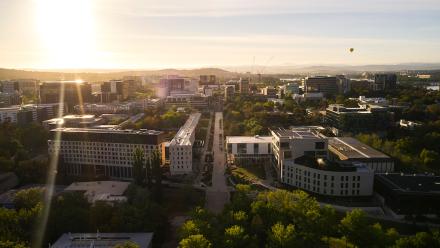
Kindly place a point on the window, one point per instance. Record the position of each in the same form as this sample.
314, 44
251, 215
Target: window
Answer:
284, 144
256, 148
319, 145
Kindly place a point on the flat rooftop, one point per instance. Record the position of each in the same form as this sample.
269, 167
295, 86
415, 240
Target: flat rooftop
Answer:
104, 240
351, 148
411, 182
248, 139
327, 165
295, 134
183, 136
101, 190
106, 131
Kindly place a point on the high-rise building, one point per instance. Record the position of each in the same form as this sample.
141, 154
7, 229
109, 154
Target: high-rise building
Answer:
9, 87
384, 82
243, 86
229, 92
74, 92
323, 84
269, 91
97, 153
343, 84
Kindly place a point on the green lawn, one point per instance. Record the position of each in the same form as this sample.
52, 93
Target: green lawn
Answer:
249, 173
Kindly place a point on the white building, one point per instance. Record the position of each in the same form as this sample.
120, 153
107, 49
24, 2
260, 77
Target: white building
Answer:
291, 144
248, 149
24, 114
321, 177
180, 147
95, 153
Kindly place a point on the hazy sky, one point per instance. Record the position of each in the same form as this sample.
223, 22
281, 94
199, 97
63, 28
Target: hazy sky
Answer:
196, 33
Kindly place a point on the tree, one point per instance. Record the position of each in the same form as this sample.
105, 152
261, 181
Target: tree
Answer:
157, 175
420, 240
236, 237
138, 167
429, 158
195, 241
28, 198
189, 228
281, 236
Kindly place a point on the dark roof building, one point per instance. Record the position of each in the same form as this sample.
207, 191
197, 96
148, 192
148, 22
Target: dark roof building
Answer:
410, 193
347, 149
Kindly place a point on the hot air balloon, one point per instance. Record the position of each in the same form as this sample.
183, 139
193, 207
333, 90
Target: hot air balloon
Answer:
351, 49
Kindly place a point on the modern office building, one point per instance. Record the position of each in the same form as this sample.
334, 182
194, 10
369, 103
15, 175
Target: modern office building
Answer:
10, 87
343, 83
244, 150
113, 90
387, 81
75, 92
98, 153
323, 84
181, 147
243, 85
354, 120
308, 97
291, 88
349, 150
409, 194
103, 240
176, 85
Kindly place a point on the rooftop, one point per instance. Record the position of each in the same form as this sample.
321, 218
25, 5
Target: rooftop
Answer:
101, 190
411, 182
326, 165
248, 139
351, 148
183, 136
108, 131
104, 240
294, 134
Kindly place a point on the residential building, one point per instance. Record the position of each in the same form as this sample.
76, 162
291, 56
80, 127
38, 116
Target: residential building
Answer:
243, 150
386, 81
97, 153
229, 92
181, 147
323, 84
101, 191
409, 194
103, 240
9, 87
243, 85
355, 120
9, 99
349, 150
323, 177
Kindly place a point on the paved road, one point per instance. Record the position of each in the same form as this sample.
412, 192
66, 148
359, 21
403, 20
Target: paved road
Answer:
218, 195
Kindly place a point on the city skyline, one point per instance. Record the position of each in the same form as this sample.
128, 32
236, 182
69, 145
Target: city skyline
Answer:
63, 34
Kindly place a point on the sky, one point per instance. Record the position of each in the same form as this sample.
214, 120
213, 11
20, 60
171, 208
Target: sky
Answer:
146, 34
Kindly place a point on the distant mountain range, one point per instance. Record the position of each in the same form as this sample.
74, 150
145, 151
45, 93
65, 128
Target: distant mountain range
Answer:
334, 69
93, 75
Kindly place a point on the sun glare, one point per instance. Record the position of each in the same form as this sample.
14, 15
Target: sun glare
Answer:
66, 32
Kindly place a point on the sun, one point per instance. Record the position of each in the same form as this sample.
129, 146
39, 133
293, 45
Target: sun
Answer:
66, 32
